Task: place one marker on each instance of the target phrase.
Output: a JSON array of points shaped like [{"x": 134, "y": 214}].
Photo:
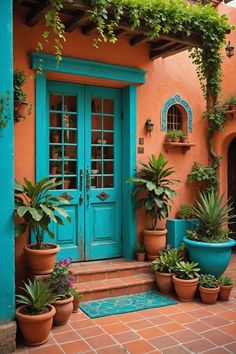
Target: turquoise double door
[{"x": 83, "y": 150}]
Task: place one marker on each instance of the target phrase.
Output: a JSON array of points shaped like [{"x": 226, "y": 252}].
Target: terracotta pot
[
  {"x": 209, "y": 295},
  {"x": 76, "y": 303},
  {"x": 185, "y": 288},
  {"x": 54, "y": 155},
  {"x": 164, "y": 282},
  {"x": 53, "y": 170},
  {"x": 232, "y": 106},
  {"x": 175, "y": 140},
  {"x": 154, "y": 241},
  {"x": 35, "y": 329},
  {"x": 66, "y": 183},
  {"x": 184, "y": 140},
  {"x": 41, "y": 261},
  {"x": 140, "y": 256},
  {"x": 225, "y": 291},
  {"x": 20, "y": 109},
  {"x": 64, "y": 310},
  {"x": 168, "y": 140},
  {"x": 55, "y": 138}
]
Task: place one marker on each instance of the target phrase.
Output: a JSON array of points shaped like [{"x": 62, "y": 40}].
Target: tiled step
[
  {"x": 99, "y": 289},
  {"x": 107, "y": 278},
  {"x": 108, "y": 269}
]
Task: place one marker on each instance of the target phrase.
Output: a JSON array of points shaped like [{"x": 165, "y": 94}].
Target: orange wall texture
[{"x": 165, "y": 78}]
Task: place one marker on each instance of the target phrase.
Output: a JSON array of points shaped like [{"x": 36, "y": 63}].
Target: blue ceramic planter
[{"x": 213, "y": 258}]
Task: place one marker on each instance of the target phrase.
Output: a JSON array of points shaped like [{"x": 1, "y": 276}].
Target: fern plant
[{"x": 38, "y": 295}]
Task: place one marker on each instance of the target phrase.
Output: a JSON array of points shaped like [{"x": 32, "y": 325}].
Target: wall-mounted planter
[
  {"x": 176, "y": 145},
  {"x": 176, "y": 230}
]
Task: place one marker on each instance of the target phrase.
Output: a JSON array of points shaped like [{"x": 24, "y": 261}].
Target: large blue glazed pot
[{"x": 213, "y": 258}]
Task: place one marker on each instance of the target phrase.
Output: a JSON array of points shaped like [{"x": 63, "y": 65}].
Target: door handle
[
  {"x": 81, "y": 200},
  {"x": 87, "y": 180},
  {"x": 81, "y": 180}
]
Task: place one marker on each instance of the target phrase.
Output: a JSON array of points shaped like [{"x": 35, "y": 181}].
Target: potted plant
[
  {"x": 55, "y": 135},
  {"x": 21, "y": 107},
  {"x": 77, "y": 297},
  {"x": 55, "y": 152},
  {"x": 169, "y": 136},
  {"x": 61, "y": 282},
  {"x": 230, "y": 103},
  {"x": 173, "y": 135},
  {"x": 186, "y": 280},
  {"x": 185, "y": 211},
  {"x": 35, "y": 315},
  {"x": 208, "y": 242},
  {"x": 183, "y": 136},
  {"x": 140, "y": 252},
  {"x": 209, "y": 288},
  {"x": 153, "y": 192},
  {"x": 67, "y": 183},
  {"x": 164, "y": 267},
  {"x": 38, "y": 208},
  {"x": 226, "y": 285}
]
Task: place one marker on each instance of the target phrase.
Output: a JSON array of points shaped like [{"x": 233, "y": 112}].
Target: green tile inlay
[{"x": 126, "y": 303}]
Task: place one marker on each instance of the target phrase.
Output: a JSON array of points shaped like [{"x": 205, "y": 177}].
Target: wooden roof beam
[
  {"x": 141, "y": 38},
  {"x": 37, "y": 12},
  {"x": 17, "y": 4},
  {"x": 79, "y": 19},
  {"x": 89, "y": 28},
  {"x": 174, "y": 49}
]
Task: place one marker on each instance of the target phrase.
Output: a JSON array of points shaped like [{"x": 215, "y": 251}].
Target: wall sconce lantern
[
  {"x": 149, "y": 126},
  {"x": 229, "y": 49}
]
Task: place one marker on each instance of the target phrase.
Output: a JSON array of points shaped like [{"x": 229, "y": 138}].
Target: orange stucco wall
[{"x": 165, "y": 78}]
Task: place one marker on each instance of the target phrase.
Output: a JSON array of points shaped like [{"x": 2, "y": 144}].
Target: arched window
[
  {"x": 174, "y": 118},
  {"x": 176, "y": 114}
]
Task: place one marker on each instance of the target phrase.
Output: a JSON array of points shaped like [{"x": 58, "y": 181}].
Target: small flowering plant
[{"x": 61, "y": 280}]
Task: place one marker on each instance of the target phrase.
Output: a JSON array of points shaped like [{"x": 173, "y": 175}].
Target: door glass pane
[
  {"x": 63, "y": 139},
  {"x": 102, "y": 143}
]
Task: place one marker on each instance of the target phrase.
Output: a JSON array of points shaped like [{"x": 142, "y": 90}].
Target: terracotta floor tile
[
  {"x": 101, "y": 341},
  {"x": 217, "y": 351},
  {"x": 216, "y": 321},
  {"x": 229, "y": 315},
  {"x": 218, "y": 337},
  {"x": 78, "y": 346},
  {"x": 115, "y": 349},
  {"x": 59, "y": 329},
  {"x": 151, "y": 332},
  {"x": 200, "y": 313},
  {"x": 78, "y": 316},
  {"x": 115, "y": 328},
  {"x": 82, "y": 324},
  {"x": 185, "y": 336},
  {"x": 140, "y": 324},
  {"x": 150, "y": 313},
  {"x": 130, "y": 317},
  {"x": 66, "y": 337},
  {"x": 169, "y": 310},
  {"x": 171, "y": 327},
  {"x": 229, "y": 329},
  {"x": 182, "y": 318},
  {"x": 231, "y": 347},
  {"x": 138, "y": 347},
  {"x": 198, "y": 346},
  {"x": 198, "y": 326},
  {"x": 52, "y": 349},
  {"x": 160, "y": 320},
  {"x": 106, "y": 320},
  {"x": 90, "y": 331},
  {"x": 175, "y": 350},
  {"x": 126, "y": 337},
  {"x": 163, "y": 342}
]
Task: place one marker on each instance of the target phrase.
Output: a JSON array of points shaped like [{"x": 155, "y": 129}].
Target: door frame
[{"x": 129, "y": 101}]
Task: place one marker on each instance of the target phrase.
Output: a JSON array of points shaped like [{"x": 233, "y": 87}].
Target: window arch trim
[{"x": 177, "y": 99}]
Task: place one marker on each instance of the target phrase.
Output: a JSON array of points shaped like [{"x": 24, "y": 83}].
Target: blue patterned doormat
[{"x": 126, "y": 303}]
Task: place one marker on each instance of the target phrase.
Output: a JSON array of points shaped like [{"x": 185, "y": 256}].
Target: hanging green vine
[{"x": 55, "y": 27}]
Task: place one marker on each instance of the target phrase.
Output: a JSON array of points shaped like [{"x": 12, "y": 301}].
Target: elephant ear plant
[{"x": 38, "y": 207}]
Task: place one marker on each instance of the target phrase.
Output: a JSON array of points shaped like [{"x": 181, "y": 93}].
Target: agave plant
[
  {"x": 213, "y": 215},
  {"x": 38, "y": 207},
  {"x": 167, "y": 261},
  {"x": 209, "y": 281},
  {"x": 225, "y": 280},
  {"x": 38, "y": 295},
  {"x": 187, "y": 270},
  {"x": 153, "y": 188}
]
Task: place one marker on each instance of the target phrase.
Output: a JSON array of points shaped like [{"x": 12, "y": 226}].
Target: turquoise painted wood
[
  {"x": 176, "y": 230},
  {"x": 128, "y": 131},
  {"x": 89, "y": 68},
  {"x": 7, "y": 282},
  {"x": 95, "y": 228},
  {"x": 103, "y": 215}
]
